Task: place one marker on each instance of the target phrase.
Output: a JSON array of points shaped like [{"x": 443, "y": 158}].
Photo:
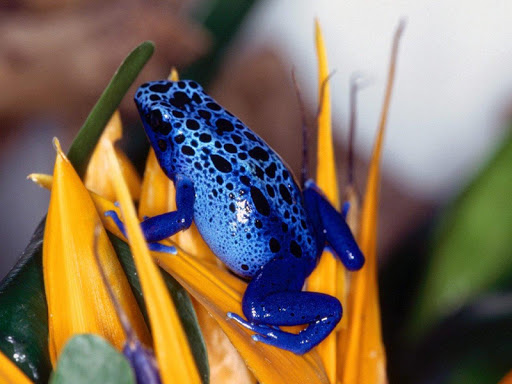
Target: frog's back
[{"x": 248, "y": 207}]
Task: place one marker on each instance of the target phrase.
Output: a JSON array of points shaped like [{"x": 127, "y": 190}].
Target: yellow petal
[
  {"x": 507, "y": 379},
  {"x": 226, "y": 364},
  {"x": 329, "y": 276},
  {"x": 175, "y": 360},
  {"x": 365, "y": 360},
  {"x": 173, "y": 76},
  {"x": 10, "y": 373},
  {"x": 95, "y": 176},
  {"x": 77, "y": 299}
]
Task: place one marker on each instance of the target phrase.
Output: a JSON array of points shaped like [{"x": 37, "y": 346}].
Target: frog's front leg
[
  {"x": 160, "y": 227},
  {"x": 274, "y": 298},
  {"x": 331, "y": 224}
]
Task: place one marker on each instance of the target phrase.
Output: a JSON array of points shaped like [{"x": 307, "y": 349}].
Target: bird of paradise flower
[{"x": 78, "y": 298}]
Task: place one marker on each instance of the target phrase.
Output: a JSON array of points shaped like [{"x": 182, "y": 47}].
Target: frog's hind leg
[{"x": 274, "y": 298}]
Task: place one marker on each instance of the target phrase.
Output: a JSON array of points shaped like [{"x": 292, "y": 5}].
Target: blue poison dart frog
[{"x": 248, "y": 209}]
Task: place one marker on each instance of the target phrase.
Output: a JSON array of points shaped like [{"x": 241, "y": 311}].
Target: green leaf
[
  {"x": 472, "y": 249},
  {"x": 222, "y": 21},
  {"x": 89, "y": 359},
  {"x": 181, "y": 300},
  {"x": 23, "y": 310},
  {"x": 83, "y": 145},
  {"x": 23, "y": 313}
]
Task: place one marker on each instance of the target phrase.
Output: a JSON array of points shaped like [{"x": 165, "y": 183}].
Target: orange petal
[
  {"x": 77, "y": 299},
  {"x": 10, "y": 373},
  {"x": 329, "y": 276},
  {"x": 365, "y": 360},
  {"x": 175, "y": 360},
  {"x": 507, "y": 379},
  {"x": 95, "y": 179}
]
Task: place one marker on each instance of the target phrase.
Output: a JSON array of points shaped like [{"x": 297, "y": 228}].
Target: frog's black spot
[
  {"x": 204, "y": 114},
  {"x": 248, "y": 236},
  {"x": 258, "y": 223},
  {"x": 145, "y": 85},
  {"x": 177, "y": 125},
  {"x": 213, "y": 106},
  {"x": 245, "y": 267},
  {"x": 218, "y": 144},
  {"x": 295, "y": 249},
  {"x": 205, "y": 138},
  {"x": 274, "y": 245},
  {"x": 237, "y": 139},
  {"x": 179, "y": 138},
  {"x": 181, "y": 84},
  {"x": 230, "y": 148},
  {"x": 153, "y": 97},
  {"x": 239, "y": 125},
  {"x": 178, "y": 114},
  {"x": 231, "y": 195},
  {"x": 160, "y": 88},
  {"x": 189, "y": 151},
  {"x": 215, "y": 193},
  {"x": 284, "y": 227},
  {"x": 138, "y": 94},
  {"x": 294, "y": 219},
  {"x": 285, "y": 194},
  {"x": 286, "y": 214},
  {"x": 259, "y": 172},
  {"x": 193, "y": 84},
  {"x": 270, "y": 190},
  {"x": 309, "y": 240},
  {"x": 192, "y": 124},
  {"x": 156, "y": 123},
  {"x": 229, "y": 186},
  {"x": 295, "y": 210},
  {"x": 162, "y": 145},
  {"x": 303, "y": 224},
  {"x": 285, "y": 175},
  {"x": 194, "y": 143},
  {"x": 271, "y": 170},
  {"x": 260, "y": 202},
  {"x": 219, "y": 179},
  {"x": 250, "y": 136},
  {"x": 242, "y": 156},
  {"x": 258, "y": 153},
  {"x": 221, "y": 163},
  {"x": 180, "y": 100},
  {"x": 196, "y": 98},
  {"x": 245, "y": 180},
  {"x": 198, "y": 166},
  {"x": 224, "y": 125},
  {"x": 232, "y": 207}
]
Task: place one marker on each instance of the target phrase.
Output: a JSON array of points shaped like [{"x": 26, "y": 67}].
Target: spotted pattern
[{"x": 248, "y": 207}]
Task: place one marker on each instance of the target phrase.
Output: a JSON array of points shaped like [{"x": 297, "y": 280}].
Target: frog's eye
[
  {"x": 157, "y": 124},
  {"x": 155, "y": 119}
]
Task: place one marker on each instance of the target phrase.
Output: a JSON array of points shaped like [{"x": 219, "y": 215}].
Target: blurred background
[{"x": 446, "y": 205}]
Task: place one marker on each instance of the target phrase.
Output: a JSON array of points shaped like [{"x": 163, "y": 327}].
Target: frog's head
[{"x": 166, "y": 109}]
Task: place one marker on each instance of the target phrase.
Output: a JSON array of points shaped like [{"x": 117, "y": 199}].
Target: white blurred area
[{"x": 453, "y": 87}]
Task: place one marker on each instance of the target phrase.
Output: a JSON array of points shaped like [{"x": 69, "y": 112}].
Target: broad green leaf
[
  {"x": 85, "y": 141},
  {"x": 23, "y": 311},
  {"x": 181, "y": 301},
  {"x": 90, "y": 359},
  {"x": 472, "y": 250}
]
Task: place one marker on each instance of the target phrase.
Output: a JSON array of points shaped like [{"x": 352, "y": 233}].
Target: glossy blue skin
[{"x": 248, "y": 209}]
